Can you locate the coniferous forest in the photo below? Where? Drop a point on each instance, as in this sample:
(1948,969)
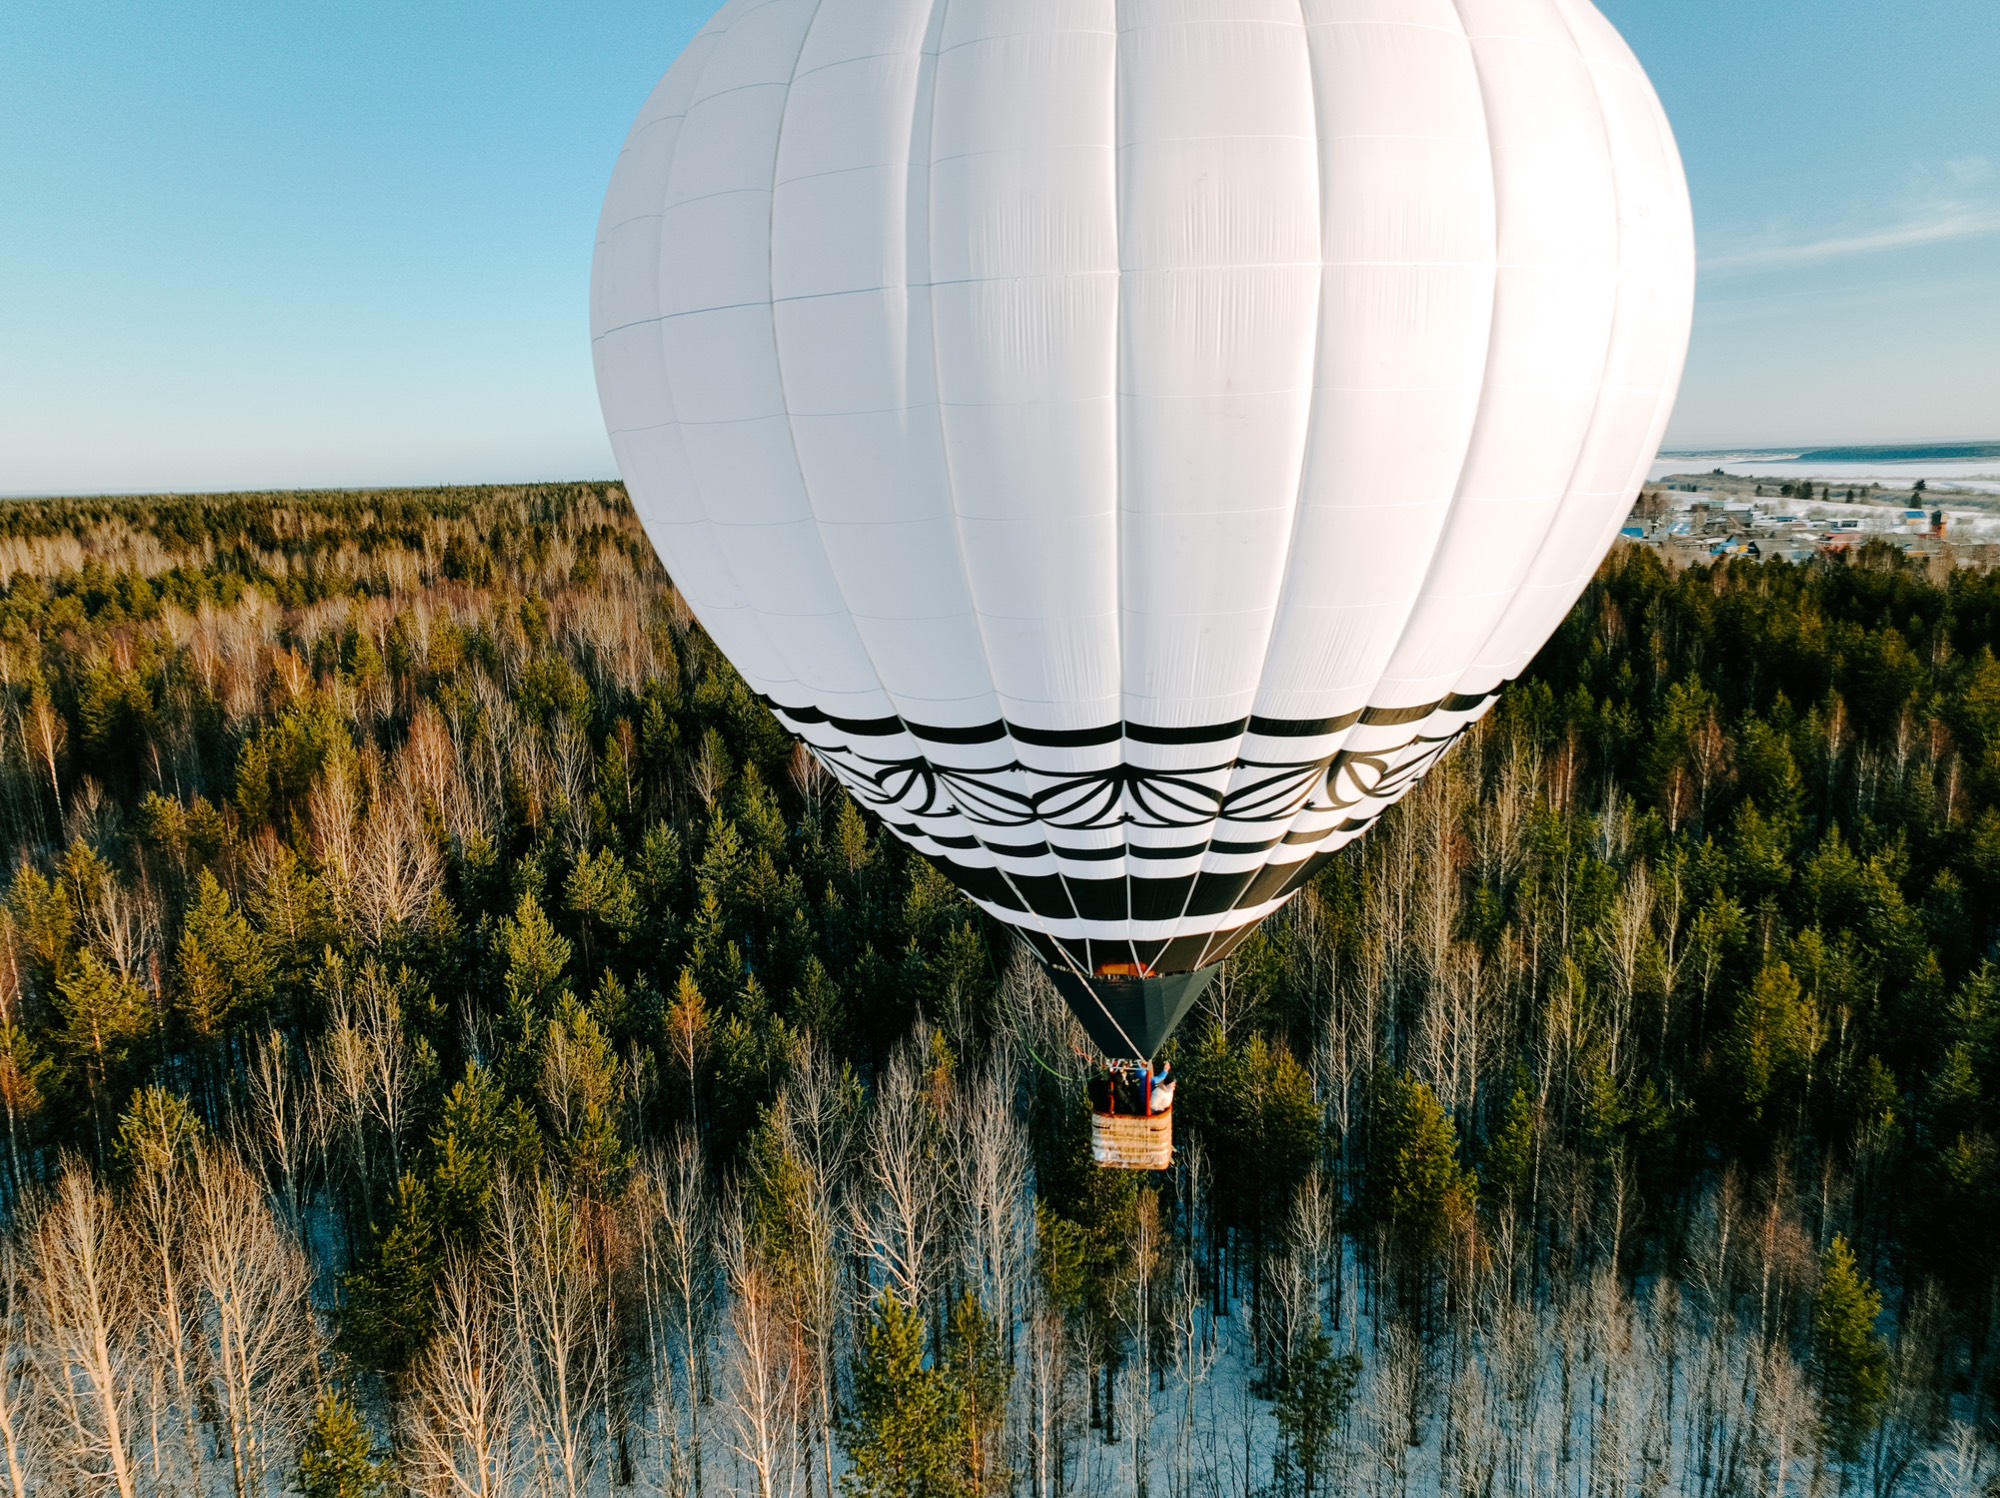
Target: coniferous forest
(453,1042)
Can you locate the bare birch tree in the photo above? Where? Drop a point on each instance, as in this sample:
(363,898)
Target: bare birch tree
(991,1149)
(759,1375)
(676,1243)
(22,1433)
(84,1328)
(817,1120)
(282,1123)
(262,1347)
(159,1140)
(461,1415)
(395,869)
(557,1317)
(901,1204)
(1053,1405)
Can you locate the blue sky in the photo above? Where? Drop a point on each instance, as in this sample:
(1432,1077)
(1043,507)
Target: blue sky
(248,245)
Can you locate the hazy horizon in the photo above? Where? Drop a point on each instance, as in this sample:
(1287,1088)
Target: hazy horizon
(1885,453)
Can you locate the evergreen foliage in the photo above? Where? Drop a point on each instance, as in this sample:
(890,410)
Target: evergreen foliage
(1310,1401)
(900,1435)
(1417,1188)
(338,1457)
(421,848)
(1850,1359)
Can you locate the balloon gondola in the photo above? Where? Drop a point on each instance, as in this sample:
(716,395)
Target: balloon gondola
(1129,441)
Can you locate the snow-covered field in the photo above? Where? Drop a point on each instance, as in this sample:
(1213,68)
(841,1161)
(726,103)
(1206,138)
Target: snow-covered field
(1975,476)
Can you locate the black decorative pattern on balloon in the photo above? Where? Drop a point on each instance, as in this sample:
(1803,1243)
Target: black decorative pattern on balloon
(1383,776)
(1014,796)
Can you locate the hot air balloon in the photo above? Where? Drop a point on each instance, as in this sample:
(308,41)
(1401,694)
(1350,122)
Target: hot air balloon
(1129,441)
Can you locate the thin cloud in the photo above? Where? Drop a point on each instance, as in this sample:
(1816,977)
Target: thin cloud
(1948,224)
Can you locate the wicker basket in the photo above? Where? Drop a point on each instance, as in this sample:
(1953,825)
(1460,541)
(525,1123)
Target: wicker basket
(1132,1141)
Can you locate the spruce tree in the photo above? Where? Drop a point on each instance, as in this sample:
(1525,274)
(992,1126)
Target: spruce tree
(337,1458)
(1314,1389)
(223,969)
(897,1430)
(1417,1187)
(105,1015)
(978,1378)
(1850,1359)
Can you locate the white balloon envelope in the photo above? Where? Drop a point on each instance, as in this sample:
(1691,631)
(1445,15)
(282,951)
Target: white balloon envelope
(1130,440)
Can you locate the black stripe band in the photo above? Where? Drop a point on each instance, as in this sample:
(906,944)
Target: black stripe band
(1138,733)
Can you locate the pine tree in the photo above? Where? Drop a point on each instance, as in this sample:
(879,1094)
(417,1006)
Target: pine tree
(223,969)
(1850,1359)
(390,1305)
(1314,1389)
(337,1458)
(580,1090)
(295,916)
(1772,1040)
(604,900)
(483,1131)
(537,958)
(978,1378)
(897,1430)
(751,1049)
(850,838)
(690,1031)
(45,918)
(105,1015)
(26,1078)
(1510,1153)
(660,880)
(715,960)
(725,870)
(1417,1188)
(158,1133)
(1061,1255)
(816,1004)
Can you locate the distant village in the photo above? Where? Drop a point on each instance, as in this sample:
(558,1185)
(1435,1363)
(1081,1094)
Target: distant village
(1698,517)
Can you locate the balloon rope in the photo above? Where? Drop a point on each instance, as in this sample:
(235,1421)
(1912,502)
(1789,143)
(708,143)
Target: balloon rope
(1137,1055)
(1066,1081)
(1021,1035)
(1091,989)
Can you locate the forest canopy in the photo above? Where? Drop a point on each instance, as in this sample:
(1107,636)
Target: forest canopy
(448,1031)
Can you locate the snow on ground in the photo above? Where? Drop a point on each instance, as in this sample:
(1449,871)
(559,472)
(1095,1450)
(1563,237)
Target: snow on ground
(1977,476)
(1610,1396)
